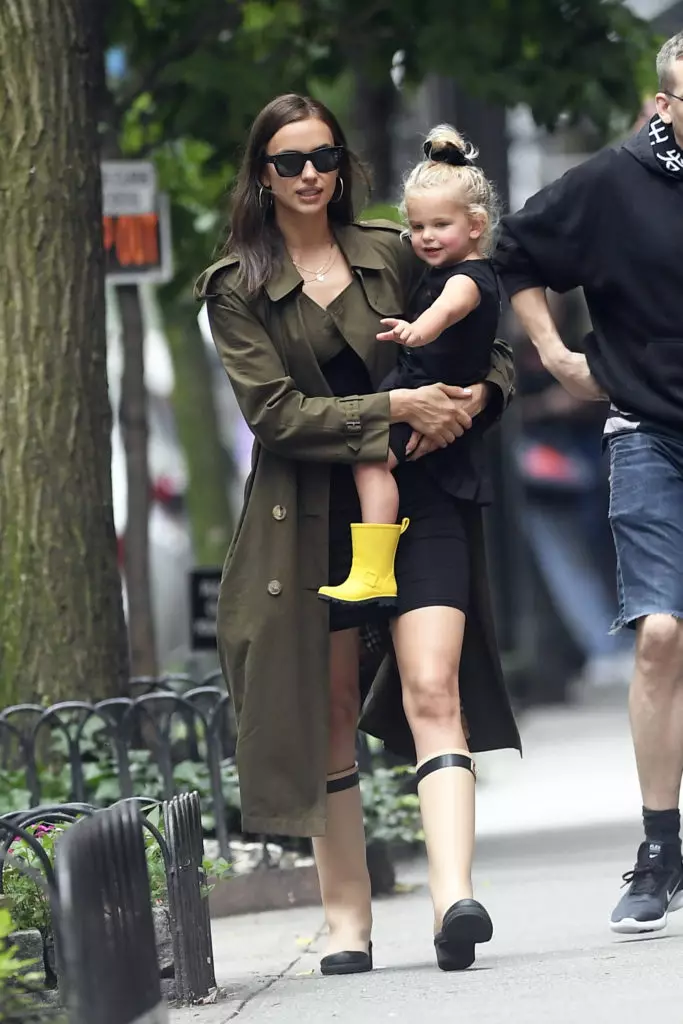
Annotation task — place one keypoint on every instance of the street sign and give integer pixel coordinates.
(204, 588)
(136, 224)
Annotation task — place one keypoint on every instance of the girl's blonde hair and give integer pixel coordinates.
(449, 162)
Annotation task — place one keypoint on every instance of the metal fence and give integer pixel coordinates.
(120, 726)
(101, 912)
(190, 922)
(107, 933)
(101, 872)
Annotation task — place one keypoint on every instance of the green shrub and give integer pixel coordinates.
(17, 982)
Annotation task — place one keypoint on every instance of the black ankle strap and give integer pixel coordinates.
(345, 782)
(435, 764)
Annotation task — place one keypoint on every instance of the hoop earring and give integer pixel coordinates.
(261, 192)
(337, 199)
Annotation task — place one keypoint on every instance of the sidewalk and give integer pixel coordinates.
(572, 798)
(577, 768)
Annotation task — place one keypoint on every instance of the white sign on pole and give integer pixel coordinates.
(128, 187)
(136, 224)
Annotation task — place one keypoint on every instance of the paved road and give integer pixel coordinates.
(552, 959)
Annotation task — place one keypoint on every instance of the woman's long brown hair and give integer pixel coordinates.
(254, 237)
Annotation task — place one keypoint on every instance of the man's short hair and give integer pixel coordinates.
(666, 58)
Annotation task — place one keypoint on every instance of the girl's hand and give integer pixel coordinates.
(402, 333)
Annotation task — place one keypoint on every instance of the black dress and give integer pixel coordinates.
(461, 355)
(432, 562)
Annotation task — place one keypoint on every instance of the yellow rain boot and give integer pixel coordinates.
(371, 580)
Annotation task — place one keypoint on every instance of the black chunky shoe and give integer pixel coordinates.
(464, 924)
(655, 888)
(347, 962)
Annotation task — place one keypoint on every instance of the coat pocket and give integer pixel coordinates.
(384, 297)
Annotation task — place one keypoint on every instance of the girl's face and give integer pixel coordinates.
(311, 190)
(441, 231)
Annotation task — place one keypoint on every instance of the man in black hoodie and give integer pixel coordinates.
(614, 226)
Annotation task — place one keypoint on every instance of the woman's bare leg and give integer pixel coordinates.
(340, 854)
(428, 643)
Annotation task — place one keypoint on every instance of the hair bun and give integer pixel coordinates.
(447, 153)
(445, 144)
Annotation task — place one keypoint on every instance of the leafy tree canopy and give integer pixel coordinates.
(196, 71)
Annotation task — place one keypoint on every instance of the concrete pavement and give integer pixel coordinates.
(577, 768)
(556, 830)
(552, 958)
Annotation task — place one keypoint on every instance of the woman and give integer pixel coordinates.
(294, 308)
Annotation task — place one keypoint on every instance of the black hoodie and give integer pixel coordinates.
(613, 225)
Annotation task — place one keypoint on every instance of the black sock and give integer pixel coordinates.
(662, 826)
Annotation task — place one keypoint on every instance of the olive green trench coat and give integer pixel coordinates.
(273, 637)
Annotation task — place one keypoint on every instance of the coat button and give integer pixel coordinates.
(274, 588)
(279, 512)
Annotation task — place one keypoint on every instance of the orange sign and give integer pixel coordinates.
(131, 242)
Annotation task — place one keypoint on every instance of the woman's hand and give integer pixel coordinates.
(480, 395)
(436, 411)
(420, 445)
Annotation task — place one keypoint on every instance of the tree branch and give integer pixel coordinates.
(220, 17)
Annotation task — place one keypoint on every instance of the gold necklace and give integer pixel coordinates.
(322, 271)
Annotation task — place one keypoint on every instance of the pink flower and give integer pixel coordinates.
(43, 830)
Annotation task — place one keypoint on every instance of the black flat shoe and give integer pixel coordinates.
(347, 962)
(464, 924)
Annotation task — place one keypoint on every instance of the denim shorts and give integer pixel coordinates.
(646, 516)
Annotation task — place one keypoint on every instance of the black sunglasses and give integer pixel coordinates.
(292, 163)
(673, 96)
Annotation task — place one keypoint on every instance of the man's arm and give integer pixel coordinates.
(569, 368)
(552, 243)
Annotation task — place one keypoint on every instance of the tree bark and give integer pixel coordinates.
(135, 438)
(62, 630)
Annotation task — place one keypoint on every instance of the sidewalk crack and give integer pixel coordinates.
(273, 980)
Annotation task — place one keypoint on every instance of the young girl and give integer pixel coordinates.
(451, 210)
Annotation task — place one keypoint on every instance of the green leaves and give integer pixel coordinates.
(390, 806)
(15, 977)
(199, 70)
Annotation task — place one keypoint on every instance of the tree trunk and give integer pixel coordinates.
(62, 631)
(374, 108)
(135, 436)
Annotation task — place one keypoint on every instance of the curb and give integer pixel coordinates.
(264, 889)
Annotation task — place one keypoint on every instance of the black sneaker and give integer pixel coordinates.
(656, 887)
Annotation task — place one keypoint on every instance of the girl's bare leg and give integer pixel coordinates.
(377, 490)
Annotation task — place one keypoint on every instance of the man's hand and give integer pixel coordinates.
(401, 332)
(572, 372)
